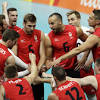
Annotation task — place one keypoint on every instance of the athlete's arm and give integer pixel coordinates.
(91, 41)
(39, 80)
(82, 36)
(88, 80)
(53, 96)
(41, 51)
(14, 49)
(4, 11)
(18, 61)
(2, 92)
(10, 60)
(31, 77)
(49, 50)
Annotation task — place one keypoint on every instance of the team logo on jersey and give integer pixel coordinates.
(22, 41)
(56, 39)
(35, 38)
(70, 35)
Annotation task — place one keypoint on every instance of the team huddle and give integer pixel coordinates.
(69, 50)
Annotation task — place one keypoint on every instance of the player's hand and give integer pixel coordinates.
(5, 4)
(55, 62)
(91, 30)
(32, 57)
(80, 64)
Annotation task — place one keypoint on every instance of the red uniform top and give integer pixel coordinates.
(18, 89)
(4, 54)
(70, 90)
(98, 90)
(96, 50)
(29, 43)
(0, 36)
(16, 28)
(62, 43)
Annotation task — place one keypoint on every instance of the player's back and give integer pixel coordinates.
(4, 54)
(18, 89)
(70, 90)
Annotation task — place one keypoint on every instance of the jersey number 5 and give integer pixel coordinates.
(21, 89)
(77, 92)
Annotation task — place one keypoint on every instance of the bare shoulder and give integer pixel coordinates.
(10, 60)
(42, 35)
(47, 41)
(53, 96)
(2, 90)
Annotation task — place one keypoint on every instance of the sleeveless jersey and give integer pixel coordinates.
(18, 89)
(29, 43)
(70, 90)
(4, 54)
(96, 50)
(98, 90)
(16, 28)
(62, 43)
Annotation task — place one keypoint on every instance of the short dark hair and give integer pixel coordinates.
(29, 17)
(97, 14)
(74, 12)
(10, 71)
(1, 19)
(10, 34)
(59, 73)
(57, 15)
(11, 9)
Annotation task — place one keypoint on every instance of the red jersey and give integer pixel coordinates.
(70, 90)
(62, 43)
(98, 89)
(18, 89)
(0, 36)
(96, 50)
(16, 28)
(29, 43)
(4, 54)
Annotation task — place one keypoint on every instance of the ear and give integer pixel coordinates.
(9, 41)
(24, 24)
(97, 22)
(4, 75)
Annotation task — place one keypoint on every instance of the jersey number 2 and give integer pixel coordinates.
(77, 92)
(21, 89)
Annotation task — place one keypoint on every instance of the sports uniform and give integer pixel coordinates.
(4, 54)
(69, 90)
(18, 89)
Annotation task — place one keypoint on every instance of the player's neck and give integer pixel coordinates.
(60, 82)
(97, 26)
(4, 43)
(12, 78)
